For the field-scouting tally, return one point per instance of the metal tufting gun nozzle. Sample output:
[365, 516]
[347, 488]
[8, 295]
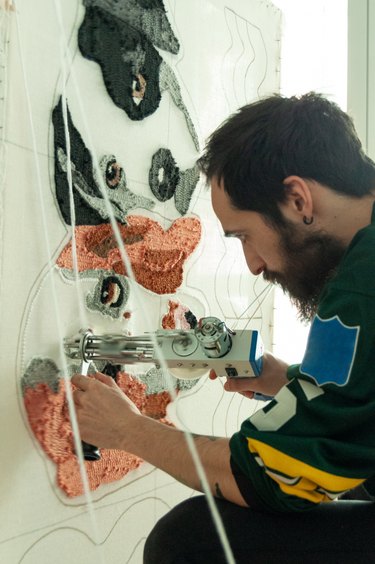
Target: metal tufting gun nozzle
[121, 349]
[210, 345]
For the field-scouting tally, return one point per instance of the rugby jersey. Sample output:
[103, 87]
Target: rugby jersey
[316, 438]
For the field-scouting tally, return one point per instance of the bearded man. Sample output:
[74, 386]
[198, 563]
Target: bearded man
[290, 180]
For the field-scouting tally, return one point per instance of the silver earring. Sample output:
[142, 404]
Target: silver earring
[308, 220]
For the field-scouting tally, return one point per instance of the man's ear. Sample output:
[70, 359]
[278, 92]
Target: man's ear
[299, 201]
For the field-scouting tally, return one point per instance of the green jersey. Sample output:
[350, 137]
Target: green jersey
[316, 438]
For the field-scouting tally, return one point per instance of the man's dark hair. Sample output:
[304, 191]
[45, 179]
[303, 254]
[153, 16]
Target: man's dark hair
[265, 142]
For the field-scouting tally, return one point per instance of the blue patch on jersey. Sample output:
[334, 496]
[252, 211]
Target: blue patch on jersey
[330, 351]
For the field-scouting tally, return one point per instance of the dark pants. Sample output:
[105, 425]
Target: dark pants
[337, 532]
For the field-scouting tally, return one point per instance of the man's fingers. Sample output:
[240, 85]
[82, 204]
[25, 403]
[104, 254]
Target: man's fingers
[105, 379]
[80, 381]
[241, 385]
[248, 395]
[77, 396]
[84, 382]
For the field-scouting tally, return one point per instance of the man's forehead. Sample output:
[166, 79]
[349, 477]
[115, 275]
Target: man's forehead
[233, 220]
[220, 199]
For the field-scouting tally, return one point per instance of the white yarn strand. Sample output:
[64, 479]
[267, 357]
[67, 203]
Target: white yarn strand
[264, 293]
[78, 286]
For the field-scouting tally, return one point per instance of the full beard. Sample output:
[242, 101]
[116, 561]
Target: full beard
[310, 262]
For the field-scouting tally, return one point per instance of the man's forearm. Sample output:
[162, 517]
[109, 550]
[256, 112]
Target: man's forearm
[167, 449]
[107, 418]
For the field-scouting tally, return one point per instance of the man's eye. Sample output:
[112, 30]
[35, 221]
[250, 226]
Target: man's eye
[241, 237]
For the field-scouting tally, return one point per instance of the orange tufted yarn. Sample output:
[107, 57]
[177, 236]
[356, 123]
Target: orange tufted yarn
[49, 419]
[157, 256]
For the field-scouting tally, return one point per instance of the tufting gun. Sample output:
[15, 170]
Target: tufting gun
[188, 353]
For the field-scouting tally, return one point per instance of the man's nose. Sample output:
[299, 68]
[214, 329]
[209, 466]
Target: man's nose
[254, 262]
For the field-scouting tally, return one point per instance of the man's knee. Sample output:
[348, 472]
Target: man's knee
[175, 532]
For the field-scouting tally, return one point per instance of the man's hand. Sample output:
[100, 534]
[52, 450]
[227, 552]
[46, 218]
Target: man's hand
[108, 419]
[271, 380]
[103, 410]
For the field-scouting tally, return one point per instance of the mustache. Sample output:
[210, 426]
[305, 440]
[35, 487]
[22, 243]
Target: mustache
[274, 277]
[304, 298]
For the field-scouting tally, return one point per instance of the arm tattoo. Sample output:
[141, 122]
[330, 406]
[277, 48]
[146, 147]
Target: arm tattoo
[218, 492]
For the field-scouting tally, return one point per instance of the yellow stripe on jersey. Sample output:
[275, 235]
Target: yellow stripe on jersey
[295, 477]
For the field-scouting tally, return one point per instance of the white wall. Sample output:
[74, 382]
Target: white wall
[314, 47]
[313, 57]
[361, 71]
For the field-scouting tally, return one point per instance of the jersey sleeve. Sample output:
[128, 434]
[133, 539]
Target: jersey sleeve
[316, 438]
